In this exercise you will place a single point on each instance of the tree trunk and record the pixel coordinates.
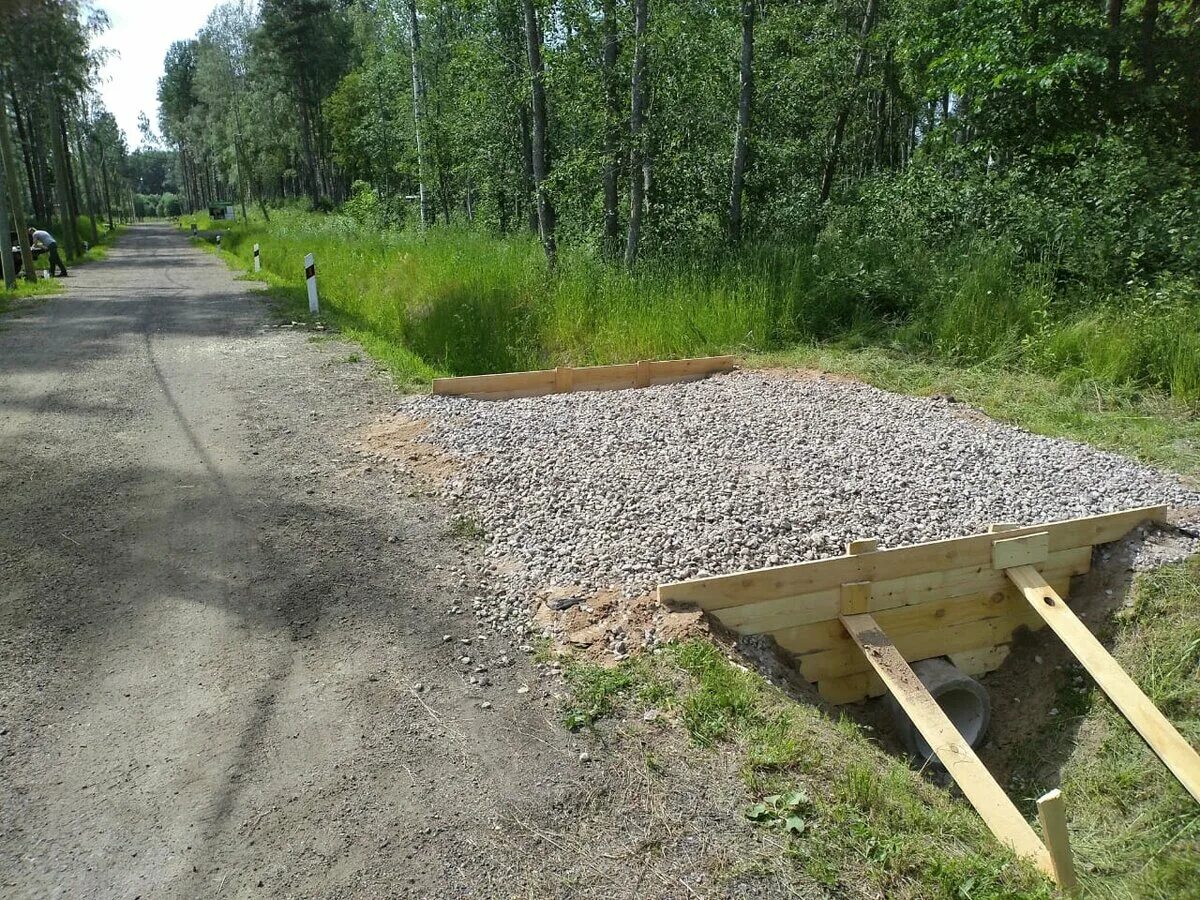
(741, 137)
(541, 169)
(7, 269)
(418, 89)
(72, 184)
(527, 175)
(104, 179)
(61, 187)
(1148, 31)
(16, 207)
(1112, 17)
(89, 197)
(29, 159)
(639, 159)
(839, 125)
(612, 128)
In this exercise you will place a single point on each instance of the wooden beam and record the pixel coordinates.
(742, 588)
(977, 784)
(509, 385)
(861, 685)
(920, 644)
(929, 587)
(856, 598)
(1027, 550)
(1143, 715)
(1053, 816)
(862, 545)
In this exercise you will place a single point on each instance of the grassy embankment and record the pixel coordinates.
(30, 290)
(1122, 372)
(869, 820)
(1115, 374)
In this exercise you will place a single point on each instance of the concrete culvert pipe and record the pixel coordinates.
(964, 700)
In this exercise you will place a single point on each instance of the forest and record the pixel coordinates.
(1009, 182)
(63, 158)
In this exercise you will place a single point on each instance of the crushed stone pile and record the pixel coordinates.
(579, 494)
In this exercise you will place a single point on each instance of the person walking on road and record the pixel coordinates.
(46, 239)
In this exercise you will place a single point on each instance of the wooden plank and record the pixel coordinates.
(972, 777)
(862, 545)
(856, 598)
(741, 588)
(861, 685)
(1143, 715)
(920, 643)
(851, 688)
(1028, 550)
(606, 378)
(643, 374)
(508, 385)
(904, 620)
(784, 612)
(1053, 816)
(981, 661)
(668, 370)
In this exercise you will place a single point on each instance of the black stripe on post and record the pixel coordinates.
(310, 272)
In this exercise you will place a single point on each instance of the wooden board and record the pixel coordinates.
(903, 620)
(743, 588)
(1053, 816)
(921, 644)
(771, 615)
(861, 685)
(565, 379)
(1047, 603)
(1029, 550)
(972, 777)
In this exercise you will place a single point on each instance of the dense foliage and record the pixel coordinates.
(997, 177)
(65, 160)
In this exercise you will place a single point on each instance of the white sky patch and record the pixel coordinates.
(141, 32)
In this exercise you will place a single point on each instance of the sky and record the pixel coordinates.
(141, 32)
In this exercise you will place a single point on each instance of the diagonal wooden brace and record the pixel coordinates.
(988, 798)
(1142, 714)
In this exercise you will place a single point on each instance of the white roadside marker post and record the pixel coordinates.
(257, 261)
(218, 240)
(310, 273)
(193, 229)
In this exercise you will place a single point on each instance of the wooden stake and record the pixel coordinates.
(1142, 714)
(862, 545)
(643, 373)
(1053, 816)
(976, 782)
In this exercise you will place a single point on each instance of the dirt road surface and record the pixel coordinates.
(222, 660)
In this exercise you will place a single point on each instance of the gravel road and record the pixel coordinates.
(227, 665)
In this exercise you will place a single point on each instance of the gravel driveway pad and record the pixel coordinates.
(633, 488)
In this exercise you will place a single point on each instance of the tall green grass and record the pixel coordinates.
(462, 302)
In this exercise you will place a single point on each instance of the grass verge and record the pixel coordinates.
(846, 811)
(842, 810)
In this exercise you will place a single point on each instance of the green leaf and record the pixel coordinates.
(758, 812)
(795, 825)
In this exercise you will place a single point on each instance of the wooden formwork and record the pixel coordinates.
(854, 623)
(566, 379)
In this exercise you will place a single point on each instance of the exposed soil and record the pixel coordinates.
(227, 661)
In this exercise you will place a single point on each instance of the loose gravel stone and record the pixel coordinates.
(632, 488)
